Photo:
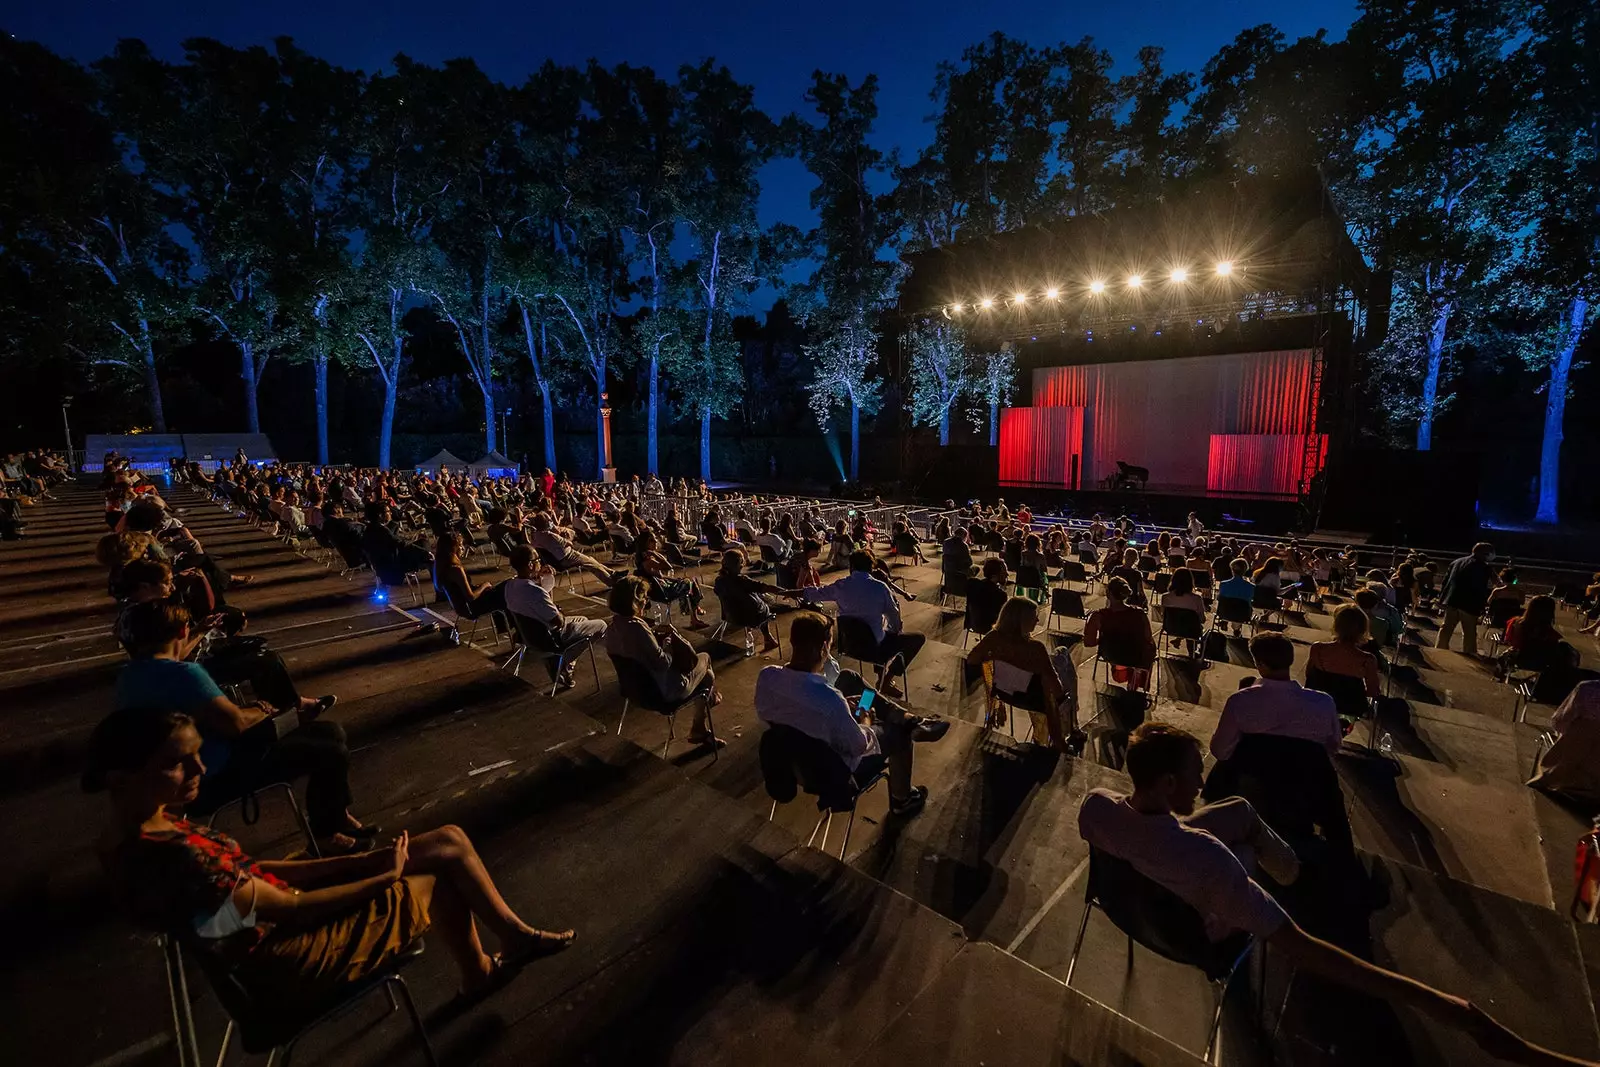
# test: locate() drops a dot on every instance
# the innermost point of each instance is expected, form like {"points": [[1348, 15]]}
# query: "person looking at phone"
{"points": [[870, 736]]}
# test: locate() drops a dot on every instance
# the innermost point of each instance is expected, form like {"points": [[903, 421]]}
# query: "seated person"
{"points": [[342, 534], [1012, 641], [383, 548], [1383, 620], [244, 748], [956, 557], [672, 663], [1571, 766], [293, 932], [905, 542], [1181, 594], [1345, 654], [1237, 586], [1033, 553], [649, 563], [1276, 703], [1127, 630], [745, 597], [863, 595], [528, 595], [803, 572], [505, 528], [450, 580], [1532, 640], [773, 542], [1128, 572], [798, 695], [1207, 856], [716, 533], [556, 549], [840, 545]]}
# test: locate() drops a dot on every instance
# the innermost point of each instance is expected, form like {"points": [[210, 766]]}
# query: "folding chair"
{"points": [[857, 641], [638, 687], [1017, 690], [1158, 919], [1068, 603], [1030, 583], [953, 584], [535, 636], [984, 602], [1236, 610], [1350, 698], [1074, 571], [792, 761]]}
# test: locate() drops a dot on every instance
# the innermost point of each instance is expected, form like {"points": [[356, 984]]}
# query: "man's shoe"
{"points": [[914, 802], [930, 729]]}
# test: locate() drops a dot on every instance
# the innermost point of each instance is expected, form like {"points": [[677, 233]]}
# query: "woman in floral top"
{"points": [[294, 931]]}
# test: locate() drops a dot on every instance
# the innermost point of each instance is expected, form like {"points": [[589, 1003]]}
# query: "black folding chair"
{"points": [[984, 601], [638, 687], [1074, 571], [534, 636], [792, 761], [953, 584], [857, 641], [1030, 582], [1068, 603], [1176, 624], [1158, 919], [1350, 698]]}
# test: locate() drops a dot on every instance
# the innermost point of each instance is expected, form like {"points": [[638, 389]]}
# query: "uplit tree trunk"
{"points": [[705, 443], [1430, 378], [1555, 407], [319, 367], [994, 423], [247, 371], [491, 440], [152, 381], [549, 425], [391, 393], [652, 457], [855, 440], [944, 427], [538, 349]]}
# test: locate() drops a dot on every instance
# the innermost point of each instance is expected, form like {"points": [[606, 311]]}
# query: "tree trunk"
{"points": [[994, 423], [705, 443], [152, 381], [944, 428], [490, 440], [549, 426], [855, 440], [600, 430], [1430, 379], [247, 360], [320, 367], [650, 460], [1555, 407], [391, 392]]}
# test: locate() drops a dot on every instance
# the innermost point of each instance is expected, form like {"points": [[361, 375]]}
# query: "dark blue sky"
{"points": [[774, 46]]}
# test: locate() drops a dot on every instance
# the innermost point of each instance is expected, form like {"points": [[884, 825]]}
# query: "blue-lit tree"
{"points": [[994, 383], [842, 376], [941, 373]]}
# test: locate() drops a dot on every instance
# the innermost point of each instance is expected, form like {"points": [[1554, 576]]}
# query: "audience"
{"points": [[555, 548], [799, 696], [1571, 765], [1276, 703], [1345, 654], [1054, 682], [528, 595], [1466, 594], [451, 582], [1207, 858], [746, 599], [1125, 632]]}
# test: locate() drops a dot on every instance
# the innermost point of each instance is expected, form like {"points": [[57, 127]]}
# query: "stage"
{"points": [[1162, 505]]}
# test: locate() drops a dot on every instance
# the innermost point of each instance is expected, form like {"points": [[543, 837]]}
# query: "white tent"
{"points": [[494, 464], [445, 458]]}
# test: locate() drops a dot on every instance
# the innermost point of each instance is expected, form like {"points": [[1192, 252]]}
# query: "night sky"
{"points": [[775, 46]]}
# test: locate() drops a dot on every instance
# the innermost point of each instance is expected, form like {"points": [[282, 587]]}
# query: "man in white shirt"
{"points": [[527, 596], [766, 538], [557, 548], [1205, 858], [799, 696], [1276, 704], [860, 595]]}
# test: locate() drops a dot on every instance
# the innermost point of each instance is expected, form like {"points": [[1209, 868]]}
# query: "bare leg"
{"points": [[452, 919], [449, 855]]}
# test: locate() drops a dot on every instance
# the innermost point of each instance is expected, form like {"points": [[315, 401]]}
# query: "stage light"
{"points": [[956, 308], [1097, 286], [1179, 274], [1051, 293], [987, 303], [1019, 298], [1225, 268], [1134, 281]]}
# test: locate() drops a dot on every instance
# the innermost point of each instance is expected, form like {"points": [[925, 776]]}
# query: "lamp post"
{"points": [[66, 402]]}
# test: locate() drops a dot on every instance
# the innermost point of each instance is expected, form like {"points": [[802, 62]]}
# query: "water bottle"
{"points": [[749, 643], [1386, 744]]}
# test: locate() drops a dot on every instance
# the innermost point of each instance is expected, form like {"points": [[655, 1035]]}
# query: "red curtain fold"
{"points": [[1039, 444], [1260, 463]]}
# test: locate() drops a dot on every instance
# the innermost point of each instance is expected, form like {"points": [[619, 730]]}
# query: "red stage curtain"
{"points": [[1039, 444], [1260, 463], [1161, 414]]}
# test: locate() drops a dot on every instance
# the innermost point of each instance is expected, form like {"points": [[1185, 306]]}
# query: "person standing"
{"points": [[1466, 594]]}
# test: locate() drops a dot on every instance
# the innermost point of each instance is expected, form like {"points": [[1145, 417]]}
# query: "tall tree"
{"points": [[727, 139], [1149, 141], [1433, 157], [1558, 70], [852, 283], [941, 373], [995, 380], [1086, 102]]}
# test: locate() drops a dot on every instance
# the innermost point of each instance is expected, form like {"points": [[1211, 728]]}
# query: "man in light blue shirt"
{"points": [[1239, 587], [862, 596]]}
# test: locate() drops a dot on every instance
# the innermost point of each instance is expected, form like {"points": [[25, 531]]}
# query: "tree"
{"points": [[995, 380], [726, 140], [1086, 102], [852, 284], [1558, 69], [941, 373], [1433, 158], [1149, 142]]}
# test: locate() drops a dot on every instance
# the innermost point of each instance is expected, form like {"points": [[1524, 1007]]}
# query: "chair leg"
{"points": [[711, 728], [561, 661], [1212, 1044], [416, 1021], [594, 668], [623, 716], [773, 814], [1077, 944], [844, 845]]}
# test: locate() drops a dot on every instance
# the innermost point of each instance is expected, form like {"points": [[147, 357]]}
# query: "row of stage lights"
{"points": [[1096, 287]]}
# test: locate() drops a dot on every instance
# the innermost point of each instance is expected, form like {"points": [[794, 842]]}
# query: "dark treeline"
{"points": [[594, 230]]}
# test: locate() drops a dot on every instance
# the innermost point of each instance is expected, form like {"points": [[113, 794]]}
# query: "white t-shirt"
{"points": [[1189, 862], [809, 704], [1284, 708]]}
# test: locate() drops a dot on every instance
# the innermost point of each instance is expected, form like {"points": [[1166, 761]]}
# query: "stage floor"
{"points": [[1156, 489]]}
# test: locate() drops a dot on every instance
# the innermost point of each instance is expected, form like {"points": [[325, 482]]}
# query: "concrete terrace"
{"points": [[708, 935]]}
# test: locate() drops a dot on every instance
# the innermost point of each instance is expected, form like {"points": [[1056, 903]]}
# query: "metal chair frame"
{"points": [[825, 820]]}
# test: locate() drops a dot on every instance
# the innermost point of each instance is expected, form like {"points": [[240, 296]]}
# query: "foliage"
{"points": [[995, 382], [941, 372]]}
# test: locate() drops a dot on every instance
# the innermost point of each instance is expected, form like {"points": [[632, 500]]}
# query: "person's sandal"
{"points": [[914, 802]]}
